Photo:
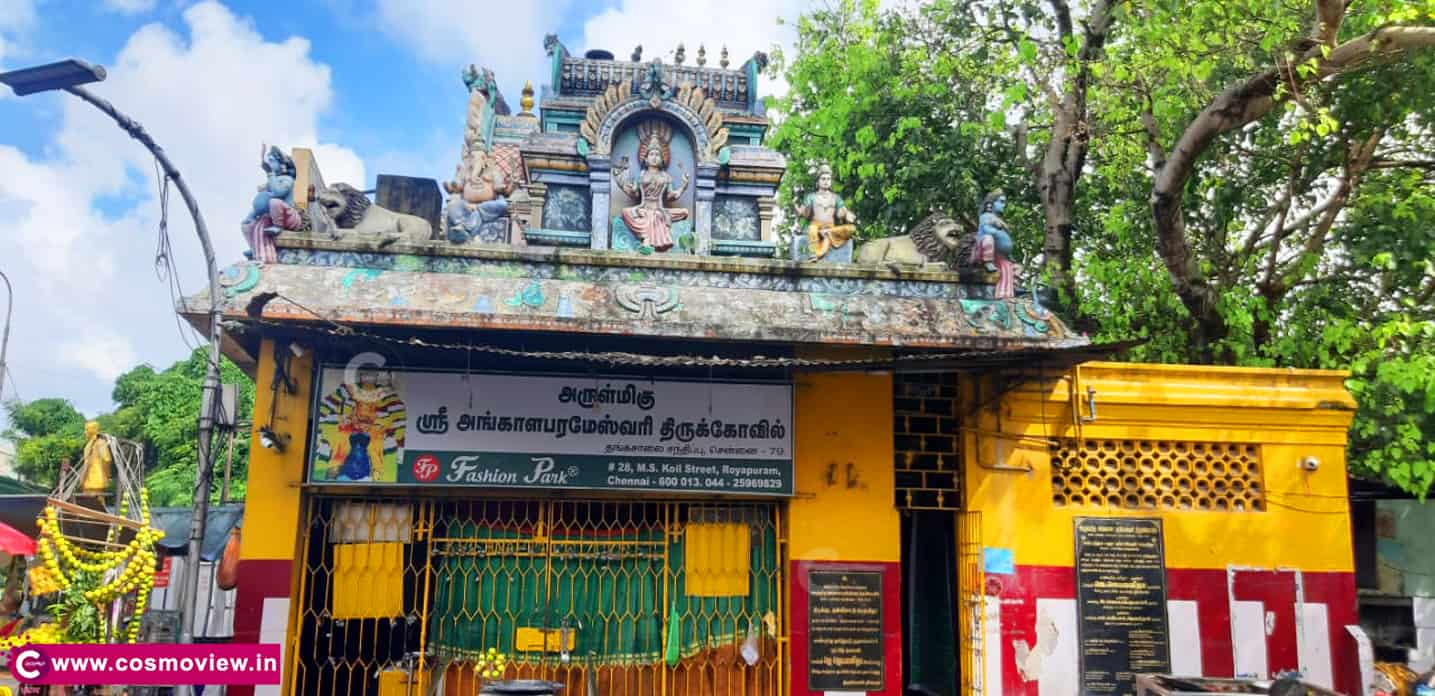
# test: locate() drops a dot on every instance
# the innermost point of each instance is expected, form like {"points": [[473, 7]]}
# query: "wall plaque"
{"points": [[1121, 603], [844, 631]]}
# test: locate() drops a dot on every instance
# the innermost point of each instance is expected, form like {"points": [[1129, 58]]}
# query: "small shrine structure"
{"points": [[589, 411]]}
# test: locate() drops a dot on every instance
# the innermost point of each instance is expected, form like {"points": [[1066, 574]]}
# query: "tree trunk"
{"points": [[1065, 156]]}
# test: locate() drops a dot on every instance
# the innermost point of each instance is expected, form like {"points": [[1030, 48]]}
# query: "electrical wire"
{"points": [[607, 357], [10, 382], [1297, 508], [1403, 571], [164, 265]]}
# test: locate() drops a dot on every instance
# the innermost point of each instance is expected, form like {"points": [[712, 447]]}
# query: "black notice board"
{"points": [[844, 631], [1120, 603]]}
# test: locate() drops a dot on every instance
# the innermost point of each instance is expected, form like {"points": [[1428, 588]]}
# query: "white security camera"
{"points": [[1309, 463]]}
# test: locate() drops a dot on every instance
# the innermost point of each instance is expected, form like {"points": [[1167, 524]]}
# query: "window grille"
{"points": [[1158, 475]]}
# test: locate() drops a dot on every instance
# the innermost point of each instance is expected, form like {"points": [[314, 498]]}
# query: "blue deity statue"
{"points": [[993, 247], [273, 208]]}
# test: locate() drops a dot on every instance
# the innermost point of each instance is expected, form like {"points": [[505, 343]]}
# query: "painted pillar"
{"points": [[765, 206], [842, 516], [271, 527], [537, 198], [706, 191], [600, 183]]}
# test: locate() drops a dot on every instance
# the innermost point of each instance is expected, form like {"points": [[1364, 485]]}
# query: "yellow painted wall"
{"points": [[1292, 414], [271, 508], [843, 419]]}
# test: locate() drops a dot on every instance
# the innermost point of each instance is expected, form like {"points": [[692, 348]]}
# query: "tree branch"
{"points": [[1062, 10], [1241, 104], [1153, 133]]}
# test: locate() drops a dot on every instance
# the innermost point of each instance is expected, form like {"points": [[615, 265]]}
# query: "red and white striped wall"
{"points": [[1244, 622]]}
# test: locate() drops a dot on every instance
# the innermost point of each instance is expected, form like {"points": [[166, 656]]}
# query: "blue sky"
{"points": [[371, 85]]}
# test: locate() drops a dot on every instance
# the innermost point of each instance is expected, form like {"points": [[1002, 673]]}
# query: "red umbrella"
{"points": [[15, 543]]}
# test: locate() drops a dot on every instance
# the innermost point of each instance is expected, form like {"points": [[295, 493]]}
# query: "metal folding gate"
{"points": [[971, 620], [407, 597]]}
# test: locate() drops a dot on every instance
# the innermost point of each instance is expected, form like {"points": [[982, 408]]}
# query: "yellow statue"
{"points": [[830, 224], [97, 460]]}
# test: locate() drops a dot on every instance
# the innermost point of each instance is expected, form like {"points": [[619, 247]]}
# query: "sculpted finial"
{"points": [[680, 56], [702, 56], [723, 61], [527, 100]]}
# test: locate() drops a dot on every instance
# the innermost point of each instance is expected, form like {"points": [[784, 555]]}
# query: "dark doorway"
{"points": [[929, 602]]}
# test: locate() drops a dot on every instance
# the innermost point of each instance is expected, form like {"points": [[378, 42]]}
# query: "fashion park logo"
{"points": [[469, 469]]}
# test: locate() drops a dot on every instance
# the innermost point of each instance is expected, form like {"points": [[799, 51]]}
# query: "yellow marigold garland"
{"points": [[129, 569]]}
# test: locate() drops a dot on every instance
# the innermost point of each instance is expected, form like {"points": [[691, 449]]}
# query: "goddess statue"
{"points": [[830, 224], [650, 220], [993, 245]]}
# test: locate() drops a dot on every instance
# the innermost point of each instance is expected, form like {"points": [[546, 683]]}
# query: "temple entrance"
{"points": [[942, 579], [610, 597], [929, 602]]}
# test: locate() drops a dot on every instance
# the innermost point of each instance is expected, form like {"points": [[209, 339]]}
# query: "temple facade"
{"points": [[587, 413]]}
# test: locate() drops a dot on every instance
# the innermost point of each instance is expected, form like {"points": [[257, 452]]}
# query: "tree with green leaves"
{"points": [[1235, 181], [159, 410], [45, 432]]}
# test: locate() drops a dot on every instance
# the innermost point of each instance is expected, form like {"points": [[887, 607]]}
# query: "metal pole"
{"points": [[209, 395], [228, 467], [5, 338]]}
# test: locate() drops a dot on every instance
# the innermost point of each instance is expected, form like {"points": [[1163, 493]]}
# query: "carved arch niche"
{"points": [[690, 107], [682, 158]]}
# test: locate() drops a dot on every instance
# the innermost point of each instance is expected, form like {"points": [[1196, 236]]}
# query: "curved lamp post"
{"points": [[69, 75], [5, 338]]}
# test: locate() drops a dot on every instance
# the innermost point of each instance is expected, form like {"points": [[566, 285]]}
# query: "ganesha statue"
{"points": [[651, 225], [478, 195], [273, 209], [478, 201]]}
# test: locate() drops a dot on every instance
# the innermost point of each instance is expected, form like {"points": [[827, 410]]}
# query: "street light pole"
{"points": [[5, 338], [69, 75], [209, 394]]}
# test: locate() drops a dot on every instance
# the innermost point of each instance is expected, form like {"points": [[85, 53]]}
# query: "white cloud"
{"points": [[17, 14], [105, 355], [130, 6], [15, 17], [456, 33], [81, 219]]}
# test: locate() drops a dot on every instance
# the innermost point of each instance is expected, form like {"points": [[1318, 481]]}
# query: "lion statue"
{"points": [[351, 211], [933, 242]]}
